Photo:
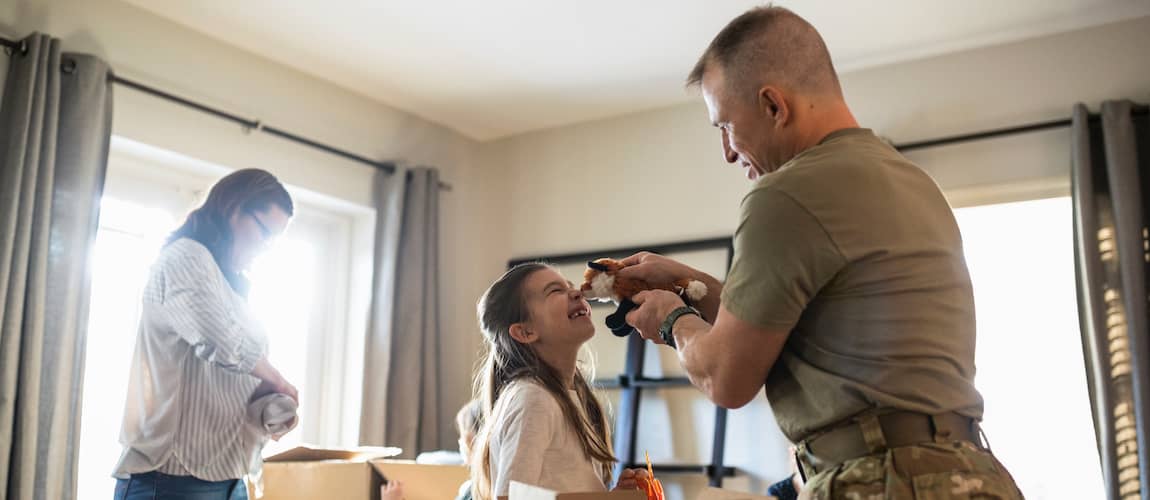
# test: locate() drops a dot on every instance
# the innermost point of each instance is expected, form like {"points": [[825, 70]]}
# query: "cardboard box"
{"points": [[423, 481], [721, 494], [305, 473], [520, 491]]}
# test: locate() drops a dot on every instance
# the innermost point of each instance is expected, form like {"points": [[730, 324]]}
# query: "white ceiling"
{"points": [[494, 68]]}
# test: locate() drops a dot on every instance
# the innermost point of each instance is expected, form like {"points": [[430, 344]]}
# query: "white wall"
{"points": [[658, 176], [155, 51]]}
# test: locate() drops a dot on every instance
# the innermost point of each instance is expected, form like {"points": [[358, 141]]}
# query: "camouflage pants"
{"points": [[924, 471]]}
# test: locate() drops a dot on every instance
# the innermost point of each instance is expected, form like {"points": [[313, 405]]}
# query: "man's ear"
{"points": [[773, 104], [521, 333]]}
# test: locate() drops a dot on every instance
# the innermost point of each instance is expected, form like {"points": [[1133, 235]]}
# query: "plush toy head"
{"points": [[601, 281]]}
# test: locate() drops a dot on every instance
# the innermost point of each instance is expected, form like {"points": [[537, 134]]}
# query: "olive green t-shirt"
{"points": [[855, 251]]}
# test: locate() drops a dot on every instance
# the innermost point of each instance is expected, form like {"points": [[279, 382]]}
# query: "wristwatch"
{"points": [[665, 329]]}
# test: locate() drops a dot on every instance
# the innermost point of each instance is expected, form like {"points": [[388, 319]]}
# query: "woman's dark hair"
{"points": [[246, 190]]}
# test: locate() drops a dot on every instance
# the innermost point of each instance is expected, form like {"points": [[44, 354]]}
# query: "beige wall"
{"points": [[658, 176], [649, 177], [155, 51]]}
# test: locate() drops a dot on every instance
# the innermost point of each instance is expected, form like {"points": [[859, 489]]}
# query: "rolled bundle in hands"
{"points": [[268, 417], [273, 414]]}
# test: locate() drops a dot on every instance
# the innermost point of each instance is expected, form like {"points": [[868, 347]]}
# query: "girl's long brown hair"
{"points": [[502, 305]]}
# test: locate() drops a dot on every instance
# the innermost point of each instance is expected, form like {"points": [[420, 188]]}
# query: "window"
{"points": [[300, 292], [1031, 370], [126, 244]]}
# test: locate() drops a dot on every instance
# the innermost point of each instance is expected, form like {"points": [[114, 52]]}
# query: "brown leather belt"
{"points": [[874, 433]]}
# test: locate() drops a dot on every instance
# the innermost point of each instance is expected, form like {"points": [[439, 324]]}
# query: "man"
{"points": [[848, 296]]}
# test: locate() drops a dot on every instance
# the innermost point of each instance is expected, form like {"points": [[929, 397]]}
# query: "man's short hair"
{"points": [[770, 45]]}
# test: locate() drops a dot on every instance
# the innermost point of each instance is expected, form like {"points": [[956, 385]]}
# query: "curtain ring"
{"points": [[22, 48], [255, 125]]}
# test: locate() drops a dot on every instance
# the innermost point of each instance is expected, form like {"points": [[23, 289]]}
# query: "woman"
{"points": [[542, 425], [200, 357]]}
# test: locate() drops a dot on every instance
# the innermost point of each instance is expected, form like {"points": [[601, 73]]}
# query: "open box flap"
{"points": [[307, 453]]}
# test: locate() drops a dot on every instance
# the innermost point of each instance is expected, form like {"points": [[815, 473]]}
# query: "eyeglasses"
{"points": [[264, 231]]}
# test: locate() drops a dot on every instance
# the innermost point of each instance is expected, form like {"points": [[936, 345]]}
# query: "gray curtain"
{"points": [[1111, 178], [402, 376], [55, 124]]}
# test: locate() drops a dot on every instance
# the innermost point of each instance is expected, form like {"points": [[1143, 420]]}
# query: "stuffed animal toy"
{"points": [[602, 282]]}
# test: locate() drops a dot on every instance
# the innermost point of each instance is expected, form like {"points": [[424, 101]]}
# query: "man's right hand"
{"points": [[655, 269]]}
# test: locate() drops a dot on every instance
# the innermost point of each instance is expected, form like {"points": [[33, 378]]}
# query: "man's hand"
{"points": [[655, 269], [654, 307], [662, 272]]}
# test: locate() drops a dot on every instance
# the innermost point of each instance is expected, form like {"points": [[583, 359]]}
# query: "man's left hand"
{"points": [[654, 307]]}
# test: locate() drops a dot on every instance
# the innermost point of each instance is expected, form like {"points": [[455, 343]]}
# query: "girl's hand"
{"points": [[628, 479], [393, 490]]}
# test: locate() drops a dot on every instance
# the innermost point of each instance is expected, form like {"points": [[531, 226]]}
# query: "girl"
{"points": [[542, 425]]}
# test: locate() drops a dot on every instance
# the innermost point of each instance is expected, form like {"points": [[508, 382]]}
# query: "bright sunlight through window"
{"points": [[1029, 358]]}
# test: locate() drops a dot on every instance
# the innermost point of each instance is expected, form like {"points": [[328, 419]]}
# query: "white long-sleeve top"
{"points": [[190, 380], [533, 443]]}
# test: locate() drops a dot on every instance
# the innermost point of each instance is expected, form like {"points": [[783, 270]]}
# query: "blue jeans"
{"points": [[160, 486]]}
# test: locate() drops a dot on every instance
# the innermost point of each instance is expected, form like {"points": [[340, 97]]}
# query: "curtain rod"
{"points": [[11, 46], [1001, 132], [21, 46], [985, 134]]}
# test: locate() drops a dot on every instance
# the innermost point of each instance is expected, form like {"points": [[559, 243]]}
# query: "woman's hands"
{"points": [[272, 381]]}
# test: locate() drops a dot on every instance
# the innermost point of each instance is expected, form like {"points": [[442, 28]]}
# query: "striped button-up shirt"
{"points": [[190, 376]]}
